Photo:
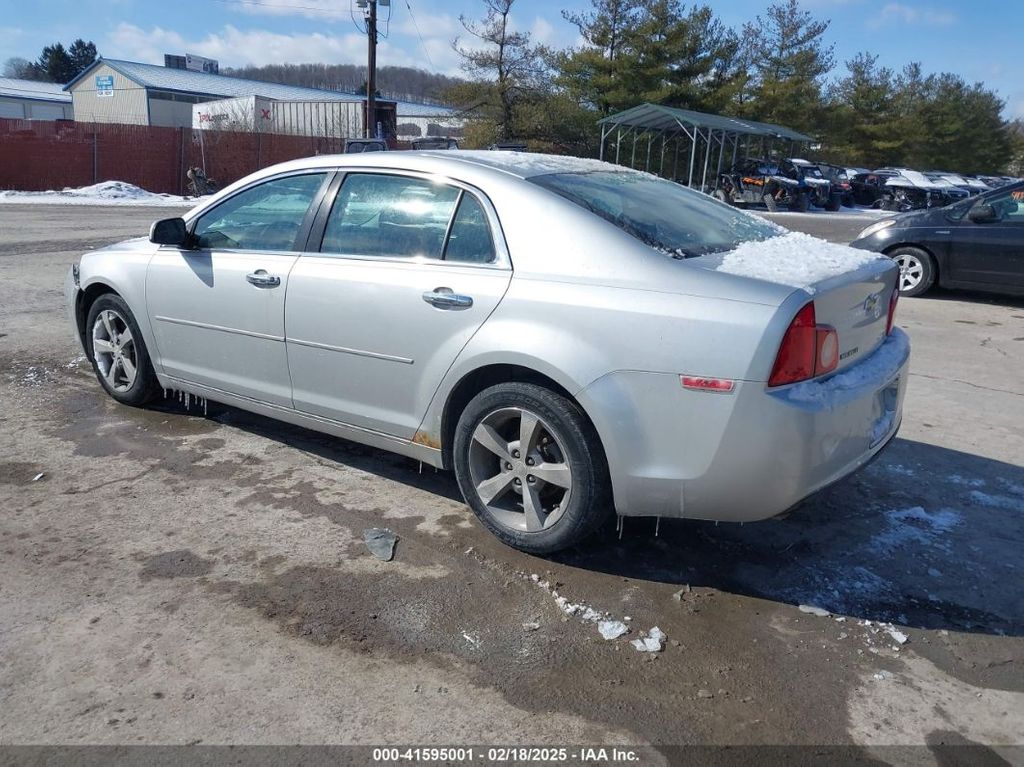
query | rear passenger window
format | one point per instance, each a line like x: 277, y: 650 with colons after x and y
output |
x: 389, y: 216
x: 470, y: 238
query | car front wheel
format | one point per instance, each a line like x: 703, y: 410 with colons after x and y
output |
x: 531, y: 467
x: 917, y: 270
x: 118, y: 353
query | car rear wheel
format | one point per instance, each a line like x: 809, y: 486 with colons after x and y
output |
x: 835, y: 202
x: 118, y: 353
x: 917, y: 270
x: 799, y: 203
x: 531, y: 467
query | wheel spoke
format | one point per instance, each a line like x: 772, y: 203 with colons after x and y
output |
x: 529, y: 426
x: 102, y: 345
x: 105, y: 319
x: 129, y: 369
x: 112, y: 372
x: 492, y: 489
x: 553, y: 473
x: 489, y: 438
x: 532, y: 509
x: 126, y: 337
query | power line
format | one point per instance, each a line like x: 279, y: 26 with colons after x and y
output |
x: 423, y: 45
x: 284, y: 6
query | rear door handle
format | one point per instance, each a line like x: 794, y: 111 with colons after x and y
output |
x: 446, y: 298
x: 261, y: 279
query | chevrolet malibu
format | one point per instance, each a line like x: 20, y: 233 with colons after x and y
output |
x: 573, y: 339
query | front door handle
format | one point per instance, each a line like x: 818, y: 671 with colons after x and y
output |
x: 261, y: 279
x: 446, y: 298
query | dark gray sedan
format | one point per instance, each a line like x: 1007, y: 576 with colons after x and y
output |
x: 976, y: 244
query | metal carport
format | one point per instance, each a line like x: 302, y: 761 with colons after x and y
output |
x: 700, y: 134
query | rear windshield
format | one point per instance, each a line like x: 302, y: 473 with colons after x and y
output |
x: 671, y: 218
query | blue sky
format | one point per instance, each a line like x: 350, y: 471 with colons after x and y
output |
x: 943, y: 35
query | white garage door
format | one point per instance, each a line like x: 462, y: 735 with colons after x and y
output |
x: 47, y: 112
x: 11, y: 109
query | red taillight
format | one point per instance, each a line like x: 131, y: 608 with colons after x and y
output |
x: 700, y: 383
x: 807, y: 350
x: 892, y: 309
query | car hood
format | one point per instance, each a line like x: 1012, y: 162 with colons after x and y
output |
x: 930, y: 217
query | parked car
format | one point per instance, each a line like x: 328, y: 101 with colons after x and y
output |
x: 618, y: 343
x: 508, y: 146
x: 977, y: 243
x: 434, y: 142
x: 360, y: 145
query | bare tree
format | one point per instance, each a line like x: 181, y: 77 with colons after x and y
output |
x: 508, y: 60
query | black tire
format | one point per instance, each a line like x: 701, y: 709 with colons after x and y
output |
x: 564, y: 438
x: 799, y: 202
x: 917, y: 270
x: 835, y: 202
x: 770, y: 203
x: 143, y: 386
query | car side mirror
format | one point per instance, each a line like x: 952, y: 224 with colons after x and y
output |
x: 982, y: 213
x: 169, y: 231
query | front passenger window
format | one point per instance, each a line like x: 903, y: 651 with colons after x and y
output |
x: 267, y: 216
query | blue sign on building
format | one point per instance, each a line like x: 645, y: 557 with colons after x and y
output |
x: 104, y: 85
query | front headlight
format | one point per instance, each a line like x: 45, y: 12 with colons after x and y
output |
x: 876, y: 227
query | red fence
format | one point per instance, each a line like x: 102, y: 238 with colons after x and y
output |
x: 37, y: 155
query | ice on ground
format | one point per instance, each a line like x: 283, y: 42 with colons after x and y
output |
x: 914, y: 526
x: 612, y: 629
x: 957, y: 479
x: 794, y: 259
x: 103, y: 193
x: 821, y: 612
x: 875, y: 370
x: 651, y: 643
x: 997, y: 501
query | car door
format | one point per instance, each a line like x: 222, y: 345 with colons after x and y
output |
x: 991, y: 252
x: 217, y: 309
x: 406, y: 269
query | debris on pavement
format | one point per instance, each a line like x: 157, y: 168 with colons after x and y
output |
x: 821, y: 612
x: 882, y: 676
x: 678, y: 596
x: 650, y: 643
x: 706, y: 694
x: 612, y: 629
x: 381, y: 543
x: 38, y: 476
x: 898, y: 636
x: 531, y: 626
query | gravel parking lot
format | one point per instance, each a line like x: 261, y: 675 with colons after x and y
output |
x: 170, y: 576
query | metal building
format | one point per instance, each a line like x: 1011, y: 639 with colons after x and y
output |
x: 31, y: 100
x: 117, y: 91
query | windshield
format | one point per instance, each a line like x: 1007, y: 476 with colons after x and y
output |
x: 670, y: 218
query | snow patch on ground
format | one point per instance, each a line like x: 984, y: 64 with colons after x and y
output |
x: 794, y: 259
x: 103, y: 193
x: 914, y: 526
x: 997, y: 501
x: 958, y: 479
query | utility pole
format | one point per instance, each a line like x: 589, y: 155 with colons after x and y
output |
x: 371, y: 69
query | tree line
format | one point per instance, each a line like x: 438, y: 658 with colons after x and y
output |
x: 56, y: 64
x: 777, y: 68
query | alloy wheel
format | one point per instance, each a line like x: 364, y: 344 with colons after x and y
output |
x: 113, y: 349
x: 911, y: 271
x: 519, y: 469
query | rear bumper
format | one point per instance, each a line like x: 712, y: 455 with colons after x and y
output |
x: 748, y: 455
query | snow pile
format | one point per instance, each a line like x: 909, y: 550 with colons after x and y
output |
x: 103, y: 193
x: 873, y: 371
x: 653, y: 642
x: 794, y: 259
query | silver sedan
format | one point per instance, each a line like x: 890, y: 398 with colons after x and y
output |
x: 572, y: 338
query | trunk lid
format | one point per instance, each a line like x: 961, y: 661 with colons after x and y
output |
x: 856, y: 304
x: 850, y: 288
